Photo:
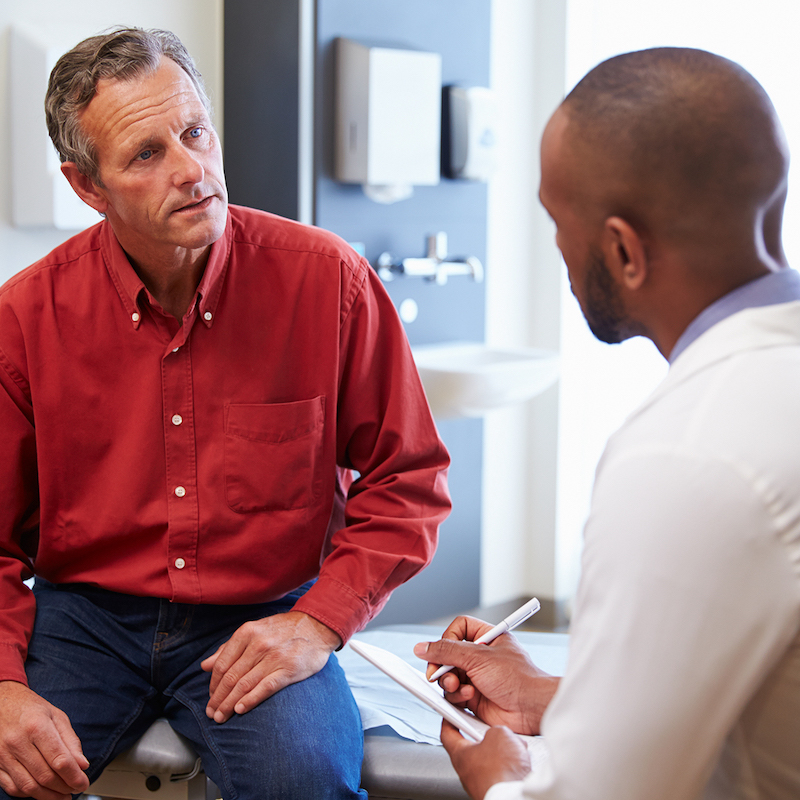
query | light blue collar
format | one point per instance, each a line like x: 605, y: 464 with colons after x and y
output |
x: 782, y: 286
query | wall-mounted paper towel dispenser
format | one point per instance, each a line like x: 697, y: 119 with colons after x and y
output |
x: 388, y: 118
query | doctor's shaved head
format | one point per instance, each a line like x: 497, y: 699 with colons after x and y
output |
x: 679, y: 142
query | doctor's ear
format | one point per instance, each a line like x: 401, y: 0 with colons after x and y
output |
x: 624, y: 252
x: 84, y: 187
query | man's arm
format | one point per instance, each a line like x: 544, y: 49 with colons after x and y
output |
x: 40, y: 755
x: 386, y: 435
x: 19, y: 504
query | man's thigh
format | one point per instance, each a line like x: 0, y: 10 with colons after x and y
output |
x: 114, y: 664
x: 83, y: 661
x: 305, y: 742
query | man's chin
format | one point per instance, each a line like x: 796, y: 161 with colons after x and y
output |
x: 609, y: 331
x: 200, y: 230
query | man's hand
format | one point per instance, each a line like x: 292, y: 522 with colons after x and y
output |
x: 501, y: 756
x: 497, y: 682
x: 40, y: 755
x: 262, y: 657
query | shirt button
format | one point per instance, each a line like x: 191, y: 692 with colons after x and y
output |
x: 175, y: 349
x: 180, y: 491
x: 180, y: 563
x: 207, y: 316
x: 135, y: 316
x: 177, y: 419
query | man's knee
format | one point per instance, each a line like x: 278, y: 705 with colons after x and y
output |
x: 304, y: 742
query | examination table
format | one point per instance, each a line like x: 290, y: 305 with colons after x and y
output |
x: 163, y: 766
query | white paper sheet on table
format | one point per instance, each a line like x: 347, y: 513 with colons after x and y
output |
x: 383, y: 702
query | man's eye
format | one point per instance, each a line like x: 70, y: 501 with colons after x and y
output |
x: 144, y: 155
x: 195, y: 133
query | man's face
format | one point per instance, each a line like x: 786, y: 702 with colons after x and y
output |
x: 160, y: 164
x: 590, y: 280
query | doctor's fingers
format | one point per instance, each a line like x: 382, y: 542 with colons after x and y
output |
x: 467, y: 657
x: 466, y: 629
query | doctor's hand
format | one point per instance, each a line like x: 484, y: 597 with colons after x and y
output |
x: 40, y: 754
x: 497, y: 682
x: 501, y: 756
x: 262, y: 657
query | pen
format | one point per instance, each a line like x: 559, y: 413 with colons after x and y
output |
x: 508, y: 624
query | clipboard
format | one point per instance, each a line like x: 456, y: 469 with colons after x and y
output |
x: 415, y: 682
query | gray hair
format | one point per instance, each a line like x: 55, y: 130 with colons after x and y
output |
x: 121, y: 54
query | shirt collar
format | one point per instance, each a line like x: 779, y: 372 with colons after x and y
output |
x: 130, y: 288
x: 211, y: 283
x: 782, y: 286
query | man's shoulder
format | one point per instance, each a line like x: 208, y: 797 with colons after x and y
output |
x: 56, y: 263
x: 262, y: 229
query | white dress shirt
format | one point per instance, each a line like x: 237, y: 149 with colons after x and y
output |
x: 683, y: 679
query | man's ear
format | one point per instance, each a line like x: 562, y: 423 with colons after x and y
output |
x: 624, y: 252
x: 85, y: 187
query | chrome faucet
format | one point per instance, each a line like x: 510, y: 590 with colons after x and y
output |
x: 434, y: 267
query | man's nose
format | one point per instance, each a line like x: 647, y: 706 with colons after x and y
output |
x: 187, y: 167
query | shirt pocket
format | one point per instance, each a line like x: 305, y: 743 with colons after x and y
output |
x: 273, y: 455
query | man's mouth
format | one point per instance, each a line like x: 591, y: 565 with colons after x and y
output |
x: 197, y: 205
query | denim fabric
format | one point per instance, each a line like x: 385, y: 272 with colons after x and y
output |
x: 114, y: 663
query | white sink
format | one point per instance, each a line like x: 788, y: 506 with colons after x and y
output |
x: 467, y: 379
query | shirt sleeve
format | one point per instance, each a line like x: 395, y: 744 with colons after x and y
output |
x: 385, y: 433
x: 687, y: 601
x: 18, y: 514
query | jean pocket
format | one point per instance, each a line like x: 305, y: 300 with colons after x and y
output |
x: 273, y: 454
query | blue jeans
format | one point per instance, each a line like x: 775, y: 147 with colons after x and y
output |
x: 115, y: 663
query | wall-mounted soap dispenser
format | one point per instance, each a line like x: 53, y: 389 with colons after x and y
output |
x: 470, y: 134
x: 388, y: 118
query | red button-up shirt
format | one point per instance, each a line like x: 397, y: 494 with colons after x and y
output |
x: 202, y: 461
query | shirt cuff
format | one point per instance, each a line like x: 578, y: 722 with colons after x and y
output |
x: 336, y: 605
x: 12, y: 664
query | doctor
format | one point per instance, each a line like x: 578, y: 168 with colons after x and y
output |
x: 665, y: 172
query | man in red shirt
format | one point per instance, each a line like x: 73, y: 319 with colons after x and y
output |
x: 184, y: 389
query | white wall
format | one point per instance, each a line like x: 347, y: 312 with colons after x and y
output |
x: 62, y: 24
x: 523, y: 280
